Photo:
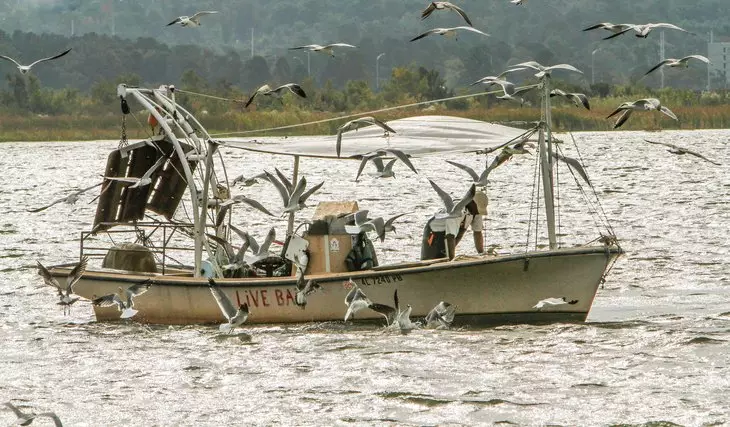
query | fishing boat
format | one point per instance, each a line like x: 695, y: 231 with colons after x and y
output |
x: 179, y: 253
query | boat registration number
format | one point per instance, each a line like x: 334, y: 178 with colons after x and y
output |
x: 381, y: 280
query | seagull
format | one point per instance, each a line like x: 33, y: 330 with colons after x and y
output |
x: 489, y: 80
x: 356, y: 300
x: 145, y: 179
x: 70, y: 199
x: 546, y: 71
x: 259, y: 252
x: 191, y: 21
x: 235, y: 259
x: 360, y: 123
x: 364, y: 224
x: 679, y: 63
x: 646, y: 104
x: 226, y: 206
x: 448, y: 32
x: 477, y: 179
x: 64, y: 292
x: 444, y: 5
x: 124, y: 298
x: 578, y: 99
x: 574, y: 164
x: 247, y: 182
x: 454, y: 210
x: 294, y: 198
x: 403, y: 318
x: 277, y: 93
x: 553, y: 301
x: 25, y: 68
x: 614, y: 28
x: 643, y: 30
x: 304, y: 290
x: 387, y: 171
x: 235, y: 316
x: 328, y: 48
x: 441, y: 316
x: 509, y: 91
x: 26, y: 419
x: 388, y: 226
x: 675, y: 149
x: 518, y: 2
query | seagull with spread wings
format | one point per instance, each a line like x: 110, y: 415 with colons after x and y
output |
x: 328, y: 48
x: 64, y: 292
x: 578, y: 99
x: 294, y: 197
x: 643, y: 30
x: 675, y: 149
x: 645, y: 104
x: 144, y: 180
x: 448, y: 32
x: 679, y: 63
x: 454, y: 210
x: 235, y: 316
x: 70, y: 199
x: 191, y: 21
x: 613, y: 28
x: 387, y: 171
x: 478, y: 179
x: 277, y: 93
x: 444, y: 5
x: 543, y: 70
x: 358, y: 123
x: 124, y: 298
x: 25, y: 419
x: 24, y: 69
x: 441, y: 316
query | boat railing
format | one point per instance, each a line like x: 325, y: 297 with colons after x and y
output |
x: 155, y: 237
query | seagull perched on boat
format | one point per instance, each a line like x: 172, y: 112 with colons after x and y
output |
x: 294, y: 197
x: 144, y: 180
x: 64, y: 292
x: 679, y: 63
x: 547, y: 302
x: 26, y: 419
x: 675, y: 149
x: 613, y: 28
x: 278, y: 92
x: 191, y: 21
x: 124, y: 298
x: 574, y: 165
x: 328, y: 48
x: 441, y: 316
x: 543, y: 71
x: 387, y: 171
x: 70, y: 199
x: 454, y: 210
x: 478, y: 179
x: 444, y: 5
x: 448, y: 32
x: 358, y: 123
x: 25, y: 68
x: 304, y: 289
x: 578, y: 99
x: 235, y: 316
x: 646, y: 104
x: 643, y: 30
x: 356, y: 300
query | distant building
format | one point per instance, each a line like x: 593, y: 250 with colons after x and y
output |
x: 719, y: 55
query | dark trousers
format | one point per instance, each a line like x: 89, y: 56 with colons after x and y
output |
x: 433, y: 245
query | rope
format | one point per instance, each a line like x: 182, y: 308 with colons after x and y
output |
x: 347, y: 116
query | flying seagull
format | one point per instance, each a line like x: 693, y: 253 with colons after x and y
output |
x: 575, y: 165
x: 543, y: 70
x: 441, y: 316
x: 387, y: 171
x: 388, y: 226
x: 235, y: 316
x: 247, y: 182
x: 277, y: 92
x: 454, y: 210
x: 356, y: 300
x: 70, y: 199
x: 643, y: 30
x: 490, y: 80
x: 226, y: 206
x: 578, y: 99
x: 403, y: 318
x: 478, y: 179
x: 328, y: 48
x: 547, y: 302
x: 358, y: 123
x: 144, y: 180
x: 448, y: 32
x: 26, y: 419
x: 679, y: 63
x: 646, y: 104
x: 613, y: 28
x: 444, y: 5
x: 675, y: 149
x: 64, y: 292
x: 294, y: 197
x: 124, y: 298
x: 25, y: 68
x: 191, y: 21
x: 304, y: 289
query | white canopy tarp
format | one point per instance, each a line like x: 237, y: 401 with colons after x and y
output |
x: 416, y: 136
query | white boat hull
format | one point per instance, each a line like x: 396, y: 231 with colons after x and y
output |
x: 498, y: 290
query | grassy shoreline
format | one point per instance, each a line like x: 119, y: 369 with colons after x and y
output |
x: 565, y: 118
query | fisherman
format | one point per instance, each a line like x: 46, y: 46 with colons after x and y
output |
x: 362, y: 255
x: 441, y: 234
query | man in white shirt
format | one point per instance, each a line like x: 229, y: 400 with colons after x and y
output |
x: 442, y: 234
